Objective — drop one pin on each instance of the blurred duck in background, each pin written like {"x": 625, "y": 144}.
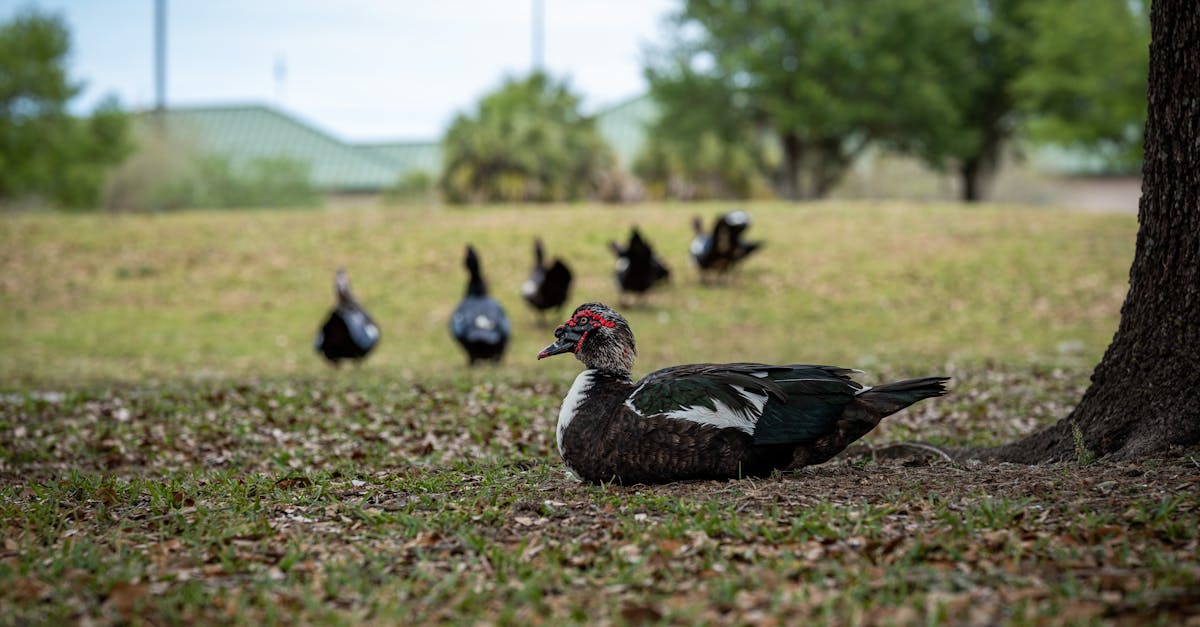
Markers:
{"x": 638, "y": 268}
{"x": 719, "y": 251}
{"x": 479, "y": 323}
{"x": 349, "y": 332}
{"x": 548, "y": 286}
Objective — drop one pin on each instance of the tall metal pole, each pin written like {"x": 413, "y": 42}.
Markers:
{"x": 160, "y": 62}
{"x": 539, "y": 35}
{"x": 280, "y": 78}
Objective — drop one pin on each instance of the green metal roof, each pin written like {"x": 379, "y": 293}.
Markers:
{"x": 408, "y": 156}
{"x": 244, "y": 133}
{"x": 624, "y": 125}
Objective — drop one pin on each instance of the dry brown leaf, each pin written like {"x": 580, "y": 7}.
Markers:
{"x": 423, "y": 539}
{"x": 107, "y": 495}
{"x": 27, "y": 588}
{"x": 124, "y": 597}
{"x": 995, "y": 539}
{"x": 293, "y": 482}
{"x": 180, "y": 499}
{"x": 671, "y": 547}
{"x": 639, "y": 614}
{"x": 530, "y": 551}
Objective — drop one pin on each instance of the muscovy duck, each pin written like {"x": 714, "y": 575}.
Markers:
{"x": 348, "y": 333}
{"x": 479, "y": 322}
{"x": 706, "y": 421}
{"x": 638, "y": 268}
{"x": 721, "y": 250}
{"x": 548, "y": 285}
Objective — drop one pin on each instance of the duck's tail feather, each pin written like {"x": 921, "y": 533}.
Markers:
{"x": 889, "y": 398}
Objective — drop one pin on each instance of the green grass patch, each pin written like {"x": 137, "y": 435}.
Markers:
{"x": 228, "y": 294}
{"x": 171, "y": 450}
{"x": 259, "y": 503}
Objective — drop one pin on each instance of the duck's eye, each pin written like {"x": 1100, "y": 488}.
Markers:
{"x": 582, "y": 319}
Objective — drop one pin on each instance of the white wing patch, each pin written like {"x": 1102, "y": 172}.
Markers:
{"x": 528, "y": 288}
{"x": 723, "y": 417}
{"x": 570, "y": 404}
{"x": 484, "y": 322}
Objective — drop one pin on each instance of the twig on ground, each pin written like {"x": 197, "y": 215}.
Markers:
{"x": 929, "y": 448}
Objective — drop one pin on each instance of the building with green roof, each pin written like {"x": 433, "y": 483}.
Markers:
{"x": 246, "y": 133}
{"x": 624, "y": 125}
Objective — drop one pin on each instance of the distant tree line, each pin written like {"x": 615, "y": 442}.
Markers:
{"x": 772, "y": 97}
{"x": 800, "y": 89}
{"x": 48, "y": 155}
{"x": 784, "y": 95}
{"x": 107, "y": 158}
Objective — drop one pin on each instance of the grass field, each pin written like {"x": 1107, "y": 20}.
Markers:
{"x": 171, "y": 451}
{"x": 219, "y": 295}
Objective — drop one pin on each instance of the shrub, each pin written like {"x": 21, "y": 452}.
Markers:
{"x": 527, "y": 142}
{"x": 167, "y": 174}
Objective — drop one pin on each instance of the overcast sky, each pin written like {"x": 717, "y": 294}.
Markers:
{"x": 362, "y": 69}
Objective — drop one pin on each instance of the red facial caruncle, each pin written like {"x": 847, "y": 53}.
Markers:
{"x": 582, "y": 317}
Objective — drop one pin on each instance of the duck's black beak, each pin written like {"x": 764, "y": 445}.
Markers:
{"x": 568, "y": 339}
{"x": 561, "y": 345}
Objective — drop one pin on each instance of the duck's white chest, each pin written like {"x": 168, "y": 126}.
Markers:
{"x": 570, "y": 405}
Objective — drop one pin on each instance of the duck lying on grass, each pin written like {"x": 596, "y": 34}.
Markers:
{"x": 706, "y": 421}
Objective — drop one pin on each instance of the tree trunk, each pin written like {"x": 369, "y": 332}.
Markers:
{"x": 1145, "y": 393}
{"x": 970, "y": 181}
{"x": 977, "y": 171}
{"x": 789, "y": 180}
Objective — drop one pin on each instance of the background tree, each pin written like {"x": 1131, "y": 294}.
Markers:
{"x": 1144, "y": 392}
{"x": 701, "y": 168}
{"x": 1093, "y": 100}
{"x": 1069, "y": 72}
{"x": 996, "y": 51}
{"x": 809, "y": 84}
{"x": 45, "y": 153}
{"x": 527, "y": 142}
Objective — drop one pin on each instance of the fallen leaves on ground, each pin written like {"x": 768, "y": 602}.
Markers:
{"x": 316, "y": 502}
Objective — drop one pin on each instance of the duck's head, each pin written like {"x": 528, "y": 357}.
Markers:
{"x": 341, "y": 287}
{"x": 599, "y": 336}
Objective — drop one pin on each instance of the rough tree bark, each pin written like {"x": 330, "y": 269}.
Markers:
{"x": 1145, "y": 393}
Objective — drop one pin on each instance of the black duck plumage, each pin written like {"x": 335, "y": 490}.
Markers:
{"x": 707, "y": 421}
{"x": 348, "y": 332}
{"x": 548, "y": 285}
{"x": 723, "y": 248}
{"x": 479, "y": 322}
{"x": 638, "y": 268}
